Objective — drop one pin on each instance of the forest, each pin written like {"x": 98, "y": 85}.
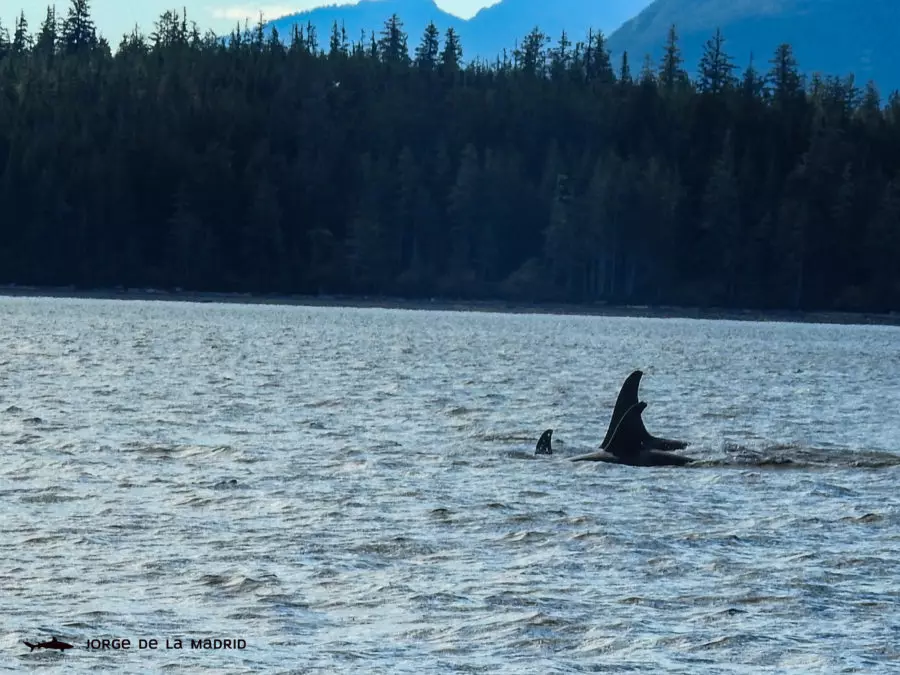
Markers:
{"x": 388, "y": 165}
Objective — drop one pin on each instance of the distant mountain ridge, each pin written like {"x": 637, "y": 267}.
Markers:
{"x": 485, "y": 35}
{"x": 833, "y": 37}
{"x": 369, "y": 15}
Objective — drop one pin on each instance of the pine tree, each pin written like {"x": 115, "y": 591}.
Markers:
{"x": 312, "y": 39}
{"x": 592, "y": 211}
{"x": 337, "y": 42}
{"x": 882, "y": 247}
{"x": 659, "y": 200}
{"x": 452, "y": 54}
{"x": 625, "y": 78}
{"x": 597, "y": 65}
{"x": 791, "y": 236}
{"x": 406, "y": 219}
{"x": 647, "y": 76}
{"x": 752, "y": 84}
{"x": 560, "y": 58}
{"x": 428, "y": 50}
{"x": 561, "y": 240}
{"x": 189, "y": 248}
{"x": 869, "y": 111}
{"x": 784, "y": 78}
{"x": 47, "y": 38}
{"x": 393, "y": 43}
{"x": 367, "y": 242}
{"x": 716, "y": 68}
{"x": 187, "y": 159}
{"x": 78, "y": 30}
{"x": 463, "y": 212}
{"x": 5, "y": 42}
{"x": 671, "y": 70}
{"x": 22, "y": 40}
{"x": 721, "y": 221}
{"x": 532, "y": 58}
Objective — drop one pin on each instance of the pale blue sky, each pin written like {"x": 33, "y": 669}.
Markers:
{"x": 115, "y": 17}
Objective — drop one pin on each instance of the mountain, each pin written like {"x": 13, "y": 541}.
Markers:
{"x": 370, "y": 15}
{"x": 833, "y": 37}
{"x": 485, "y": 35}
{"x": 499, "y": 26}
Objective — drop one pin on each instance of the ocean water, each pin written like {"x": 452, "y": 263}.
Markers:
{"x": 354, "y": 490}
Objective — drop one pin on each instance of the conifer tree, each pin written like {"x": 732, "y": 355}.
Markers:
{"x": 882, "y": 248}
{"x": 597, "y": 65}
{"x": 78, "y": 30}
{"x": 625, "y": 78}
{"x": 22, "y": 40}
{"x": 393, "y": 43}
{"x": 721, "y": 206}
{"x": 533, "y": 55}
{"x": 47, "y": 38}
{"x": 428, "y": 50}
{"x": 671, "y": 70}
{"x": 784, "y": 79}
{"x": 716, "y": 68}
{"x": 452, "y": 54}
{"x": 186, "y": 160}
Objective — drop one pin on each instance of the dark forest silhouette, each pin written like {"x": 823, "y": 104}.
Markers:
{"x": 252, "y": 163}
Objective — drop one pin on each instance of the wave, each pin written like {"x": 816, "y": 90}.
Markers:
{"x": 796, "y": 457}
{"x": 775, "y": 457}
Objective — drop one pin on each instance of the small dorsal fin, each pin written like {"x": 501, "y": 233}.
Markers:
{"x": 628, "y": 397}
{"x": 626, "y": 439}
{"x": 544, "y": 446}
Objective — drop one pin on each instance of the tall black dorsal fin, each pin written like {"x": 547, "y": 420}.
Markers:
{"x": 628, "y": 397}
{"x": 543, "y": 445}
{"x": 626, "y": 440}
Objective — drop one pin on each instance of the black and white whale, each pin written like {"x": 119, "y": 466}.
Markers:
{"x": 628, "y": 445}
{"x": 627, "y": 440}
{"x": 627, "y": 399}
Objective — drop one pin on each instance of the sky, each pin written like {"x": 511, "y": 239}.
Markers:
{"x": 117, "y": 17}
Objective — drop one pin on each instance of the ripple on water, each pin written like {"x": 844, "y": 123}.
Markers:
{"x": 346, "y": 490}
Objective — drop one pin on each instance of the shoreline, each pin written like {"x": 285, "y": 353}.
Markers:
{"x": 442, "y": 304}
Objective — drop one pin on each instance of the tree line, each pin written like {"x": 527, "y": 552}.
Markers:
{"x": 358, "y": 165}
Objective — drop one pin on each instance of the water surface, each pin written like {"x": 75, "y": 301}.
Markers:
{"x": 352, "y": 490}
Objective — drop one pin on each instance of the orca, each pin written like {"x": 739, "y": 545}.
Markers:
{"x": 627, "y": 399}
{"x": 627, "y": 445}
{"x": 49, "y": 644}
{"x": 544, "y": 446}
